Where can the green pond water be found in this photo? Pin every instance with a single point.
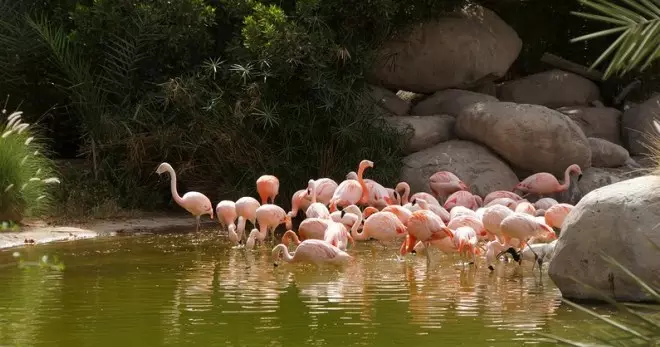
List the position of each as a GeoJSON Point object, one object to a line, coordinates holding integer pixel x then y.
{"type": "Point", "coordinates": [194, 289]}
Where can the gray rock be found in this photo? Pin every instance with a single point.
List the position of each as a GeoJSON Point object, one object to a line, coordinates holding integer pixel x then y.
{"type": "Point", "coordinates": [529, 137]}
{"type": "Point", "coordinates": [449, 101]}
{"type": "Point", "coordinates": [477, 166]}
{"type": "Point", "coordinates": [607, 154]}
{"type": "Point", "coordinates": [637, 125]}
{"type": "Point", "coordinates": [458, 51]}
{"type": "Point", "coordinates": [600, 122]}
{"type": "Point", "coordinates": [554, 88]}
{"type": "Point", "coordinates": [427, 131]}
{"type": "Point", "coordinates": [616, 220]}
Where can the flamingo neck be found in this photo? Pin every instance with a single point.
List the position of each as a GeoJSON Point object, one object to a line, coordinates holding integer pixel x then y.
{"type": "Point", "coordinates": [406, 194]}
{"type": "Point", "coordinates": [284, 252]}
{"type": "Point", "coordinates": [567, 178]}
{"type": "Point", "coordinates": [175, 194]}
{"type": "Point", "coordinates": [365, 189]}
{"type": "Point", "coordinates": [314, 192]}
{"type": "Point", "coordinates": [354, 229]}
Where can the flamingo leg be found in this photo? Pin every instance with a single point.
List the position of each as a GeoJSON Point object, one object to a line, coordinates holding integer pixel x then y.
{"type": "Point", "coordinates": [197, 223]}
{"type": "Point", "coordinates": [428, 254]}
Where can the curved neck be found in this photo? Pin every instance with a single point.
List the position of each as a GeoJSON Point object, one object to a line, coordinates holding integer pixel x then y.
{"type": "Point", "coordinates": [406, 193]}
{"type": "Point", "coordinates": [567, 178]}
{"type": "Point", "coordinates": [314, 192]}
{"type": "Point", "coordinates": [295, 203]}
{"type": "Point", "coordinates": [281, 249]}
{"type": "Point", "coordinates": [365, 190]}
{"type": "Point", "coordinates": [289, 234]}
{"type": "Point", "coordinates": [175, 194]}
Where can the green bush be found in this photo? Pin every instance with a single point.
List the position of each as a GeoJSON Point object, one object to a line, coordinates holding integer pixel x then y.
{"type": "Point", "coordinates": [26, 173]}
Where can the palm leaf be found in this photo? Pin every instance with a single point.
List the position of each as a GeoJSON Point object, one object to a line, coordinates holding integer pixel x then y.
{"type": "Point", "coordinates": [638, 44]}
{"type": "Point", "coordinates": [609, 321]}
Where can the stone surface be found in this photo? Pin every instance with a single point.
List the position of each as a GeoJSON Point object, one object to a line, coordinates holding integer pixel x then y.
{"type": "Point", "coordinates": [427, 131]}
{"type": "Point", "coordinates": [466, 49]}
{"type": "Point", "coordinates": [636, 125]}
{"type": "Point", "coordinates": [554, 88]}
{"type": "Point", "coordinates": [529, 137]}
{"type": "Point", "coordinates": [449, 101]}
{"type": "Point", "coordinates": [616, 220]}
{"type": "Point", "coordinates": [477, 166]}
{"type": "Point", "coordinates": [600, 122]}
{"type": "Point", "coordinates": [387, 102]}
{"type": "Point", "coordinates": [607, 154]}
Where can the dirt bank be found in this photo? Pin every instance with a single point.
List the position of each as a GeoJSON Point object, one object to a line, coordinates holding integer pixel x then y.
{"type": "Point", "coordinates": [39, 233]}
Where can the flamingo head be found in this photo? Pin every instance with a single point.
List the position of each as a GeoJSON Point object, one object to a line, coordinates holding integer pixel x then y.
{"type": "Point", "coordinates": [287, 221]}
{"type": "Point", "coordinates": [162, 168]}
{"type": "Point", "coordinates": [514, 254]}
{"type": "Point", "coordinates": [463, 186]}
{"type": "Point", "coordinates": [209, 210]}
{"type": "Point", "coordinates": [366, 163]}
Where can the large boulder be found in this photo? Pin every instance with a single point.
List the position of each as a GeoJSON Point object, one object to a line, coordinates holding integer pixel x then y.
{"type": "Point", "coordinates": [387, 102]}
{"type": "Point", "coordinates": [477, 166]}
{"type": "Point", "coordinates": [637, 125]}
{"type": "Point", "coordinates": [607, 154]}
{"type": "Point", "coordinates": [595, 177]}
{"type": "Point", "coordinates": [554, 88]}
{"type": "Point", "coordinates": [615, 220]}
{"type": "Point", "coordinates": [427, 131]}
{"type": "Point", "coordinates": [465, 49]}
{"type": "Point", "coordinates": [449, 101]}
{"type": "Point", "coordinates": [529, 137]}
{"type": "Point", "coordinates": [601, 122]}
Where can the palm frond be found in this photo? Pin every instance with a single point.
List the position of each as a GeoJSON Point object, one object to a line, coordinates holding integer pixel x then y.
{"type": "Point", "coordinates": [638, 44]}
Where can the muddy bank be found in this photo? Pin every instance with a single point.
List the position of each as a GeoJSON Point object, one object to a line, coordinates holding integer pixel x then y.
{"type": "Point", "coordinates": [39, 234]}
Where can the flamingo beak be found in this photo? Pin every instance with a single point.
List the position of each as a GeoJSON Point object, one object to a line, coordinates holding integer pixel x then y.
{"type": "Point", "coordinates": [580, 176]}
{"type": "Point", "coordinates": [463, 186]}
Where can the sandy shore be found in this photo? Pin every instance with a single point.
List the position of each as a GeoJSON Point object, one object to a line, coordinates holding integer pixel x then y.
{"type": "Point", "coordinates": [39, 234]}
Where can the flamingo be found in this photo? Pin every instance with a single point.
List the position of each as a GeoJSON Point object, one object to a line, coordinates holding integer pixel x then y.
{"type": "Point", "coordinates": [443, 183]}
{"type": "Point", "coordinates": [545, 203]}
{"type": "Point", "coordinates": [493, 217]}
{"type": "Point", "coordinates": [430, 199]}
{"type": "Point", "coordinates": [269, 217]}
{"type": "Point", "coordinates": [462, 198]}
{"type": "Point", "coordinates": [465, 240]}
{"type": "Point", "coordinates": [544, 183]}
{"type": "Point", "coordinates": [507, 202]}
{"type": "Point", "coordinates": [337, 235]}
{"type": "Point", "coordinates": [233, 236]}
{"type": "Point", "coordinates": [525, 206]}
{"type": "Point", "coordinates": [556, 214]}
{"type": "Point", "coordinates": [401, 212]}
{"type": "Point", "coordinates": [344, 218]}
{"type": "Point", "coordinates": [493, 251]}
{"type": "Point", "coordinates": [316, 209]}
{"type": "Point", "coordinates": [194, 202]}
{"type": "Point", "coordinates": [379, 196]}
{"type": "Point", "coordinates": [312, 251]}
{"type": "Point", "coordinates": [310, 228]}
{"type": "Point", "coordinates": [523, 227]}
{"type": "Point", "coordinates": [325, 189]}
{"type": "Point", "coordinates": [268, 186]}
{"type": "Point", "coordinates": [226, 212]}
{"type": "Point", "coordinates": [424, 226]}
{"type": "Point", "coordinates": [246, 209]}
{"type": "Point", "coordinates": [382, 226]}
{"type": "Point", "coordinates": [350, 192]}
{"type": "Point", "coordinates": [299, 201]}
{"type": "Point", "coordinates": [469, 221]}
{"type": "Point", "coordinates": [458, 211]}
{"type": "Point", "coordinates": [403, 189]}
{"type": "Point", "coordinates": [437, 209]}
{"type": "Point", "coordinates": [501, 194]}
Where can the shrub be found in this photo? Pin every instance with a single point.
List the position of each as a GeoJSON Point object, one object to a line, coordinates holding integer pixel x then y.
{"type": "Point", "coordinates": [26, 173]}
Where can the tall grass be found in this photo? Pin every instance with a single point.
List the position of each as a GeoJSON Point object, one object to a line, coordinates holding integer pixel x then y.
{"type": "Point", "coordinates": [26, 172]}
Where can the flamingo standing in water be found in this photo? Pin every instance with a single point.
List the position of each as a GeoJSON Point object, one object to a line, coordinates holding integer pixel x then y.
{"type": "Point", "coordinates": [462, 198]}
{"type": "Point", "coordinates": [350, 192]}
{"type": "Point", "coordinates": [379, 196]}
{"type": "Point", "coordinates": [246, 210]}
{"type": "Point", "coordinates": [544, 183]}
{"type": "Point", "coordinates": [226, 212]}
{"type": "Point", "coordinates": [325, 189]}
{"type": "Point", "coordinates": [523, 227]}
{"type": "Point", "coordinates": [317, 252]}
{"type": "Point", "coordinates": [424, 226]}
{"type": "Point", "coordinates": [299, 201]}
{"type": "Point", "coordinates": [382, 226]}
{"type": "Point", "coordinates": [268, 186]}
{"type": "Point", "coordinates": [316, 209]}
{"type": "Point", "coordinates": [194, 202]}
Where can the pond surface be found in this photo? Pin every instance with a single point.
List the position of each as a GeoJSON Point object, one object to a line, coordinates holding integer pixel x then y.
{"type": "Point", "coordinates": [187, 289]}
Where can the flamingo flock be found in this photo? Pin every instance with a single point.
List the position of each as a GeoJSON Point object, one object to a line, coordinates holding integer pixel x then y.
{"type": "Point", "coordinates": [451, 219]}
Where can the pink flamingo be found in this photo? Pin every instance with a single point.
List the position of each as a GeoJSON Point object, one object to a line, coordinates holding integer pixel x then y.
{"type": "Point", "coordinates": [268, 186]}
{"type": "Point", "coordinates": [401, 212]}
{"type": "Point", "coordinates": [469, 221]}
{"type": "Point", "coordinates": [194, 202]}
{"type": "Point", "coordinates": [430, 199]}
{"type": "Point", "coordinates": [316, 252]}
{"type": "Point", "coordinates": [351, 192]}
{"type": "Point", "coordinates": [269, 216]}
{"type": "Point", "coordinates": [556, 214]}
{"type": "Point", "coordinates": [379, 196]}
{"type": "Point", "coordinates": [403, 189]}
{"type": "Point", "coordinates": [462, 198]}
{"type": "Point", "coordinates": [501, 194]}
{"type": "Point", "coordinates": [443, 183]}
{"type": "Point", "coordinates": [523, 227]}
{"type": "Point", "coordinates": [507, 202]}
{"type": "Point", "coordinates": [458, 211]}
{"type": "Point", "coordinates": [494, 249]}
{"type": "Point", "coordinates": [310, 228]}
{"type": "Point", "coordinates": [438, 210]}
{"type": "Point", "coordinates": [316, 209]}
{"type": "Point", "coordinates": [544, 183]}
{"type": "Point", "coordinates": [226, 212]}
{"type": "Point", "coordinates": [525, 206]}
{"type": "Point", "coordinates": [246, 209]}
{"type": "Point", "coordinates": [382, 226]}
{"type": "Point", "coordinates": [424, 226]}
{"type": "Point", "coordinates": [325, 189]}
{"type": "Point", "coordinates": [299, 201]}
{"type": "Point", "coordinates": [465, 240]}
{"type": "Point", "coordinates": [338, 236]}
{"type": "Point", "coordinates": [493, 217]}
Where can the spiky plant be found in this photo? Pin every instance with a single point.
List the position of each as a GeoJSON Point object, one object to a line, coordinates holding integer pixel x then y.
{"type": "Point", "coordinates": [26, 173]}
{"type": "Point", "coordinates": [638, 24]}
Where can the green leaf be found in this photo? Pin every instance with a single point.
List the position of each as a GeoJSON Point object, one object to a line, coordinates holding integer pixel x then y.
{"type": "Point", "coordinates": [599, 34]}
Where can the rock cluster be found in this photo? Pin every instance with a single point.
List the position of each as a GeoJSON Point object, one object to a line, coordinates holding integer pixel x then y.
{"type": "Point", "coordinates": [539, 123]}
